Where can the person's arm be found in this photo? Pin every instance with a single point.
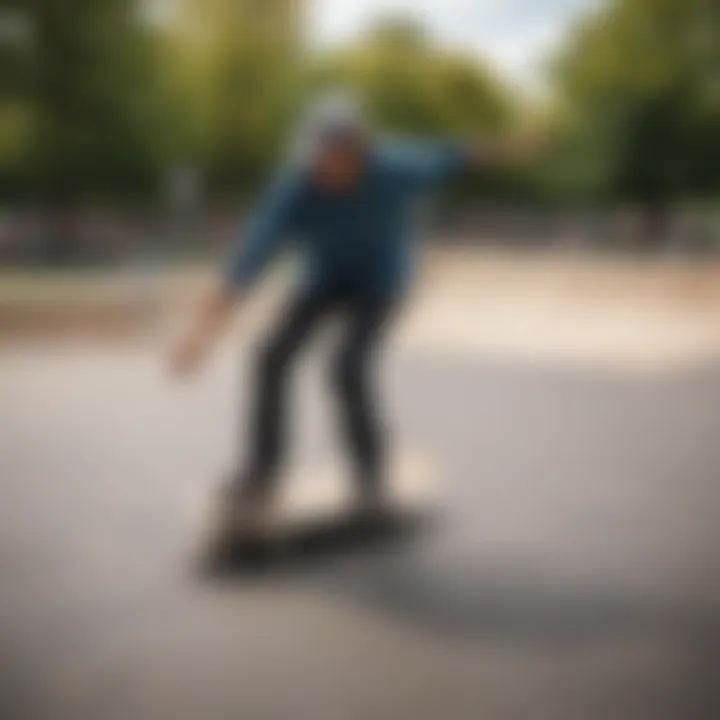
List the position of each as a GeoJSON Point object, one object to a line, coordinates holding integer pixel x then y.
{"type": "Point", "coordinates": [429, 164]}
{"type": "Point", "coordinates": [211, 318]}
{"type": "Point", "coordinates": [267, 228]}
{"type": "Point", "coordinates": [257, 243]}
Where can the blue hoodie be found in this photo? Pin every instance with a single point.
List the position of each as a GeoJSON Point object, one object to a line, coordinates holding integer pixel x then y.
{"type": "Point", "coordinates": [359, 241]}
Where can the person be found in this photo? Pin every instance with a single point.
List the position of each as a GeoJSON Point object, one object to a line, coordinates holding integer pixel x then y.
{"type": "Point", "coordinates": [349, 199]}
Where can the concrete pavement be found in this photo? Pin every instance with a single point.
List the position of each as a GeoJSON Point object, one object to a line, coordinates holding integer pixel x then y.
{"type": "Point", "coordinates": [576, 575]}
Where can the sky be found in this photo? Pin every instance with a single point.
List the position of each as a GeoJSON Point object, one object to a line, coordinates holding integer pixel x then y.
{"type": "Point", "coordinates": [514, 34]}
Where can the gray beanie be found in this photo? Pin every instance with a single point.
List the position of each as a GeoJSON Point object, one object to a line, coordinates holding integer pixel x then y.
{"type": "Point", "coordinates": [336, 114]}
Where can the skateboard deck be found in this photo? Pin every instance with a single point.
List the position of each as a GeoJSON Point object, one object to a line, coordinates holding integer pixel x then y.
{"type": "Point", "coordinates": [314, 516]}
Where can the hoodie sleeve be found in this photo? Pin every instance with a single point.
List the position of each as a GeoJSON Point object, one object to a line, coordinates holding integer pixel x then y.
{"type": "Point", "coordinates": [260, 238]}
{"type": "Point", "coordinates": [424, 165]}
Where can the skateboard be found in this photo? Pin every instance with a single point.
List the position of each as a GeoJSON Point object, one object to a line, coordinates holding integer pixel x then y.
{"type": "Point", "coordinates": [315, 516]}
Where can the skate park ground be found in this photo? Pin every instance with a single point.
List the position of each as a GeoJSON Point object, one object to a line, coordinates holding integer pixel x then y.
{"type": "Point", "coordinates": [570, 410]}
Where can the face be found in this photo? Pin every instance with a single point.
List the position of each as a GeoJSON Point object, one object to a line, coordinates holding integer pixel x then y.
{"type": "Point", "coordinates": [339, 166]}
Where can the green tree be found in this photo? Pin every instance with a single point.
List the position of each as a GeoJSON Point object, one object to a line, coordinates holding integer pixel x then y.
{"type": "Point", "coordinates": [94, 97]}
{"type": "Point", "coordinates": [235, 63]}
{"type": "Point", "coordinates": [80, 95]}
{"type": "Point", "coordinates": [413, 86]}
{"type": "Point", "coordinates": [16, 117]}
{"type": "Point", "coordinates": [639, 87]}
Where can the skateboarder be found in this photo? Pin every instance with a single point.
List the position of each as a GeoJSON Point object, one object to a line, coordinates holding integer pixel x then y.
{"type": "Point", "coordinates": [348, 200]}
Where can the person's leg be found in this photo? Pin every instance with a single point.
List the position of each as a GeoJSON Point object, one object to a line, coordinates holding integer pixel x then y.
{"type": "Point", "coordinates": [267, 421]}
{"type": "Point", "coordinates": [364, 431]}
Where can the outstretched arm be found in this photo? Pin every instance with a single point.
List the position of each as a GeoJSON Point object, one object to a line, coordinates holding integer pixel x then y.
{"type": "Point", "coordinates": [268, 226]}
{"type": "Point", "coordinates": [429, 164]}
{"type": "Point", "coordinates": [424, 165]}
{"type": "Point", "coordinates": [210, 320]}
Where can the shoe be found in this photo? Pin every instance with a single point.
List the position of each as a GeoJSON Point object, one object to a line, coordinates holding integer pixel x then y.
{"type": "Point", "coordinates": [239, 517]}
{"type": "Point", "coordinates": [371, 508]}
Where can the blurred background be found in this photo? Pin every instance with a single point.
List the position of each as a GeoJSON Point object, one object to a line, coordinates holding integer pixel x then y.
{"type": "Point", "coordinates": [129, 128]}
{"type": "Point", "coordinates": [559, 369]}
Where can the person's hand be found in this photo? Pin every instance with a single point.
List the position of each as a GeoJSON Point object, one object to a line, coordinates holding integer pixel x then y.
{"type": "Point", "coordinates": [192, 349]}
{"type": "Point", "coordinates": [513, 149]}
{"type": "Point", "coordinates": [525, 145]}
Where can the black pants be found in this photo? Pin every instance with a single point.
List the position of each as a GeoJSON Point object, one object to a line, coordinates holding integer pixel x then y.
{"type": "Point", "coordinates": [350, 379]}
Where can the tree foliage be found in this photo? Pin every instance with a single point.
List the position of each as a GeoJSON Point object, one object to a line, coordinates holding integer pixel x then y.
{"type": "Point", "coordinates": [411, 85]}
{"type": "Point", "coordinates": [98, 99]}
{"type": "Point", "coordinates": [639, 86]}
{"type": "Point", "coordinates": [84, 77]}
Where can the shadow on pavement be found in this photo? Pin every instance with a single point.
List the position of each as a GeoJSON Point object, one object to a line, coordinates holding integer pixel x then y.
{"type": "Point", "coordinates": [465, 600]}
{"type": "Point", "coordinates": [388, 571]}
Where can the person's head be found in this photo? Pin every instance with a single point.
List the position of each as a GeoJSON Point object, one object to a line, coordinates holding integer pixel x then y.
{"type": "Point", "coordinates": [339, 161]}
{"type": "Point", "coordinates": [338, 143]}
